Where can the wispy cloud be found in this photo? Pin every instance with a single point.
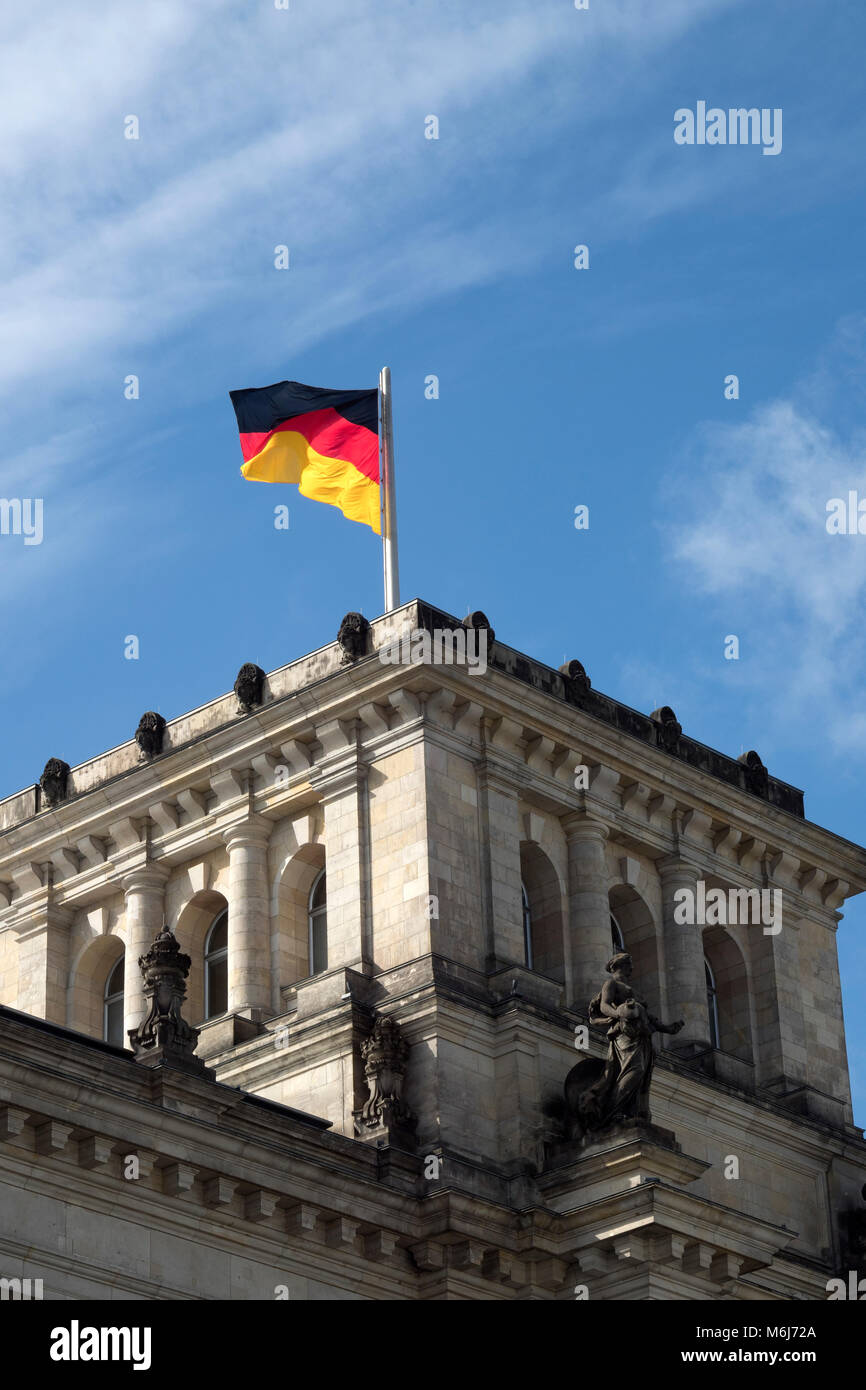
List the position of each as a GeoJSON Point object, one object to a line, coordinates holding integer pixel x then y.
{"type": "Point", "coordinates": [113, 249]}
{"type": "Point", "coordinates": [749, 502]}
{"type": "Point", "coordinates": [245, 142]}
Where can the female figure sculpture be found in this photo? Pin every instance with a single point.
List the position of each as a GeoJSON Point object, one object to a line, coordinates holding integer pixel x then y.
{"type": "Point", "coordinates": [597, 1095]}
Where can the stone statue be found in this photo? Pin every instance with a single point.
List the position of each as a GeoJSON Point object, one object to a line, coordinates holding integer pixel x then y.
{"type": "Point", "coordinates": [149, 734]}
{"type": "Point", "coordinates": [54, 782]}
{"type": "Point", "coordinates": [249, 686]}
{"type": "Point", "coordinates": [575, 672]}
{"type": "Point", "coordinates": [601, 1093]}
{"type": "Point", "coordinates": [668, 728]}
{"type": "Point", "coordinates": [480, 621]}
{"type": "Point", "coordinates": [757, 776]}
{"type": "Point", "coordinates": [352, 636]}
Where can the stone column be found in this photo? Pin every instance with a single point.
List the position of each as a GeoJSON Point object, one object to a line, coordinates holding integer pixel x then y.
{"type": "Point", "coordinates": [588, 907]}
{"type": "Point", "coordinates": [249, 918]}
{"type": "Point", "coordinates": [144, 893]}
{"type": "Point", "coordinates": [684, 978]}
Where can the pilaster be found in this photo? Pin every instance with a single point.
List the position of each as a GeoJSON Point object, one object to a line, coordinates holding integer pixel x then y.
{"type": "Point", "coordinates": [43, 961]}
{"type": "Point", "coordinates": [340, 779]}
{"type": "Point", "coordinates": [500, 866]}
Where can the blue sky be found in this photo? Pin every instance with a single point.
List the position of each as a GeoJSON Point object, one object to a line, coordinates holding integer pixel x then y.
{"type": "Point", "coordinates": [305, 127]}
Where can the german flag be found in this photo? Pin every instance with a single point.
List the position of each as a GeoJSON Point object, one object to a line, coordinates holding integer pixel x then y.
{"type": "Point", "coordinates": [325, 441]}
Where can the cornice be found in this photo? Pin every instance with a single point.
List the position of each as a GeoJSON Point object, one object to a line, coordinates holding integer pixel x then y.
{"type": "Point", "coordinates": [518, 713]}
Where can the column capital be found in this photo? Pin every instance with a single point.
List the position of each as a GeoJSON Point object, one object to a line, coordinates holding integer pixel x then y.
{"type": "Point", "coordinates": [146, 878]}
{"type": "Point", "coordinates": [577, 825]}
{"type": "Point", "coordinates": [253, 831]}
{"type": "Point", "coordinates": [677, 866]}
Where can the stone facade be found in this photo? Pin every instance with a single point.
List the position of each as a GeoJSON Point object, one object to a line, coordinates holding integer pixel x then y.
{"type": "Point", "coordinates": [388, 1126]}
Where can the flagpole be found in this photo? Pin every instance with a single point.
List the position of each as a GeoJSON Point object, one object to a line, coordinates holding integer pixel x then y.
{"type": "Point", "coordinates": [389, 496]}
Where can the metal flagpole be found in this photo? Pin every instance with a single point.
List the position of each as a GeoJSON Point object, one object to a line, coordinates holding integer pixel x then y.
{"type": "Point", "coordinates": [389, 495]}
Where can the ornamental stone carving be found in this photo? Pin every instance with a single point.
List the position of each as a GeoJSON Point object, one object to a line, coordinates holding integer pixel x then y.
{"type": "Point", "coordinates": [353, 636]}
{"type": "Point", "coordinates": [149, 734]}
{"type": "Point", "coordinates": [54, 781]}
{"type": "Point", "coordinates": [164, 1035]}
{"type": "Point", "coordinates": [249, 686]}
{"type": "Point", "coordinates": [385, 1055]}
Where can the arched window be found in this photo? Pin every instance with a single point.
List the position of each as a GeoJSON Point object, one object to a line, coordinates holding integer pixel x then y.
{"type": "Point", "coordinates": [112, 1006]}
{"type": "Point", "coordinates": [617, 940]}
{"type": "Point", "coordinates": [317, 912]}
{"type": "Point", "coordinates": [216, 967]}
{"type": "Point", "coordinates": [541, 909]}
{"type": "Point", "coordinates": [712, 1003]}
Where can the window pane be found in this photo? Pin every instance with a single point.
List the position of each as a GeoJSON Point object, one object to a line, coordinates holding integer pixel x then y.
{"type": "Point", "coordinates": [320, 891]}
{"type": "Point", "coordinates": [712, 1004]}
{"type": "Point", "coordinates": [319, 933]}
{"type": "Point", "coordinates": [219, 934]}
{"type": "Point", "coordinates": [114, 984]}
{"type": "Point", "coordinates": [217, 986]}
{"type": "Point", "coordinates": [114, 1023]}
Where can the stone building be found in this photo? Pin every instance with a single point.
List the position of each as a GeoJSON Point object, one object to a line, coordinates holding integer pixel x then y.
{"type": "Point", "coordinates": [398, 880]}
